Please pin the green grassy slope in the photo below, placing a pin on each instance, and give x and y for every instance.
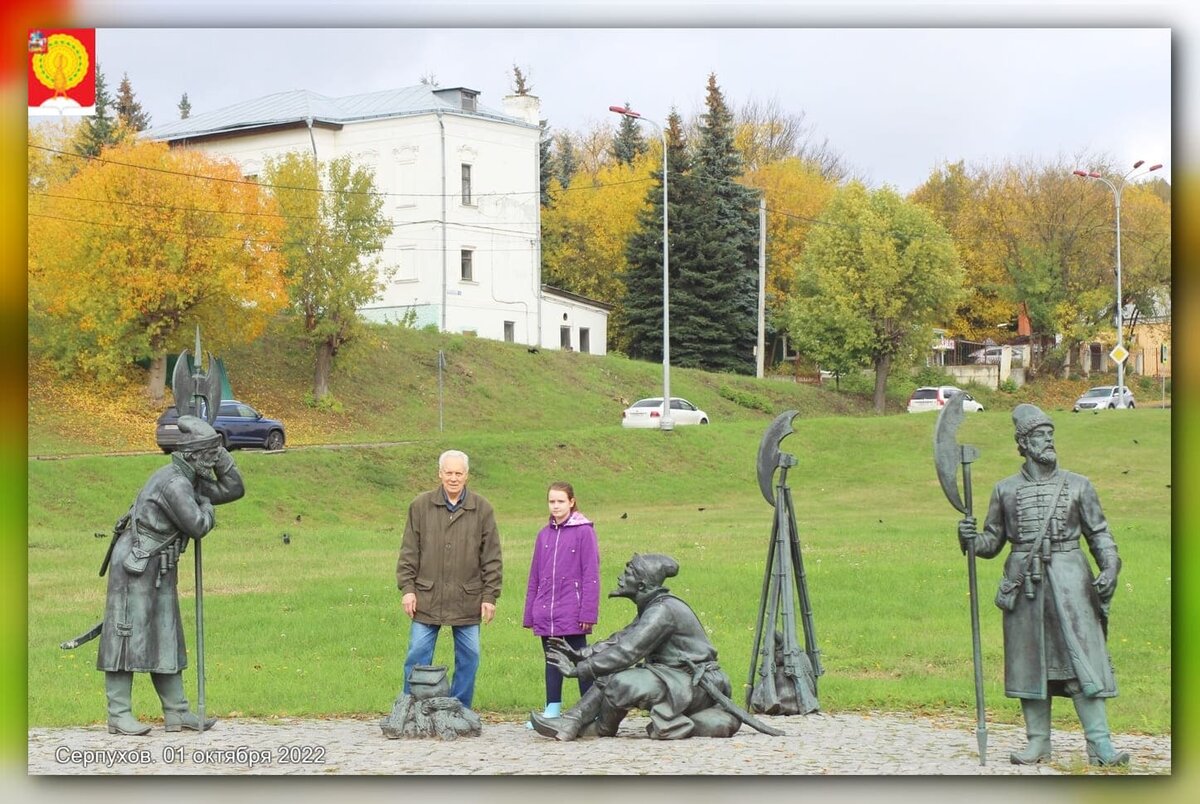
(314, 627)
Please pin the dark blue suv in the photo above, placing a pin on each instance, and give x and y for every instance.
(239, 425)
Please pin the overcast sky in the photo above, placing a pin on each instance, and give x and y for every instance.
(895, 103)
(882, 83)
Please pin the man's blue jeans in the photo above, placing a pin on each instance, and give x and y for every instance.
(422, 639)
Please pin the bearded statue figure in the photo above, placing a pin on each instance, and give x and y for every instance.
(1055, 611)
(142, 629)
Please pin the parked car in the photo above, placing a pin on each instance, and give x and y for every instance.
(648, 413)
(991, 354)
(1103, 396)
(935, 397)
(239, 425)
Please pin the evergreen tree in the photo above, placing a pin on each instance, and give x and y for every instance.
(714, 303)
(545, 163)
(521, 85)
(640, 331)
(185, 107)
(130, 113)
(629, 142)
(567, 163)
(99, 130)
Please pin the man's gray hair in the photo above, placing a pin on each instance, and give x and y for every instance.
(454, 453)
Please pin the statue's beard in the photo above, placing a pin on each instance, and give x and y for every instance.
(1045, 456)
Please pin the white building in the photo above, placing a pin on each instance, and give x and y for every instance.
(462, 188)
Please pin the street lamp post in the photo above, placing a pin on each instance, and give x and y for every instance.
(666, 423)
(1117, 185)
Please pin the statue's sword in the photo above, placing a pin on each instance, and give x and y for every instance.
(947, 455)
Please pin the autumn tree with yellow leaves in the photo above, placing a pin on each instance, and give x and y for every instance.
(1034, 237)
(137, 248)
(585, 230)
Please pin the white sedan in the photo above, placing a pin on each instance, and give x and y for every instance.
(647, 413)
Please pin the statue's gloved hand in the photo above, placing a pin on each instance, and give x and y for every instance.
(966, 532)
(224, 462)
(564, 648)
(1106, 581)
(558, 660)
(206, 508)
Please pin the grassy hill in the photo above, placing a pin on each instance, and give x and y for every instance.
(387, 390)
(287, 623)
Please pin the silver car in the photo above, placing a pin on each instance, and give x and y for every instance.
(1105, 396)
(934, 397)
(647, 413)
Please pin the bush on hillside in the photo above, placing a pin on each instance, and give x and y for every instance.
(746, 399)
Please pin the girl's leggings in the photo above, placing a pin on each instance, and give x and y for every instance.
(554, 679)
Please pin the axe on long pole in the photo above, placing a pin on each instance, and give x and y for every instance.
(947, 455)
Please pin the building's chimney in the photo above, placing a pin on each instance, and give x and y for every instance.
(523, 107)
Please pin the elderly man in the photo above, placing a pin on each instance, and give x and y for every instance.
(662, 662)
(449, 572)
(1055, 614)
(142, 630)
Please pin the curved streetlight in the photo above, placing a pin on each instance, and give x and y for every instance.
(666, 423)
(1117, 185)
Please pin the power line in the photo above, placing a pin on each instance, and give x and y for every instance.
(183, 174)
(251, 240)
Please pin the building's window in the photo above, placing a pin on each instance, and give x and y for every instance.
(510, 331)
(406, 264)
(466, 185)
(468, 101)
(585, 340)
(468, 265)
(564, 338)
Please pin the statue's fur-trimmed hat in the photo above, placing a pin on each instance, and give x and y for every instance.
(196, 434)
(654, 567)
(1026, 417)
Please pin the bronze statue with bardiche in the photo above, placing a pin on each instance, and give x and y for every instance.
(1055, 611)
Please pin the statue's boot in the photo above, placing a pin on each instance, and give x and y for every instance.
(1094, 718)
(119, 689)
(553, 709)
(1037, 732)
(565, 728)
(177, 716)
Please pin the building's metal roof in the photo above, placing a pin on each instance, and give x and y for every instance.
(297, 106)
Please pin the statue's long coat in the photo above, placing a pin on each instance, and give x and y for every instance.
(1059, 633)
(666, 639)
(142, 627)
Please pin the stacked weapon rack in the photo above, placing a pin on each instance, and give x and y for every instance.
(787, 675)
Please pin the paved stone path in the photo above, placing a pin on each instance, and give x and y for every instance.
(833, 744)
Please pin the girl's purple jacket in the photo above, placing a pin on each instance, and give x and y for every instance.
(564, 578)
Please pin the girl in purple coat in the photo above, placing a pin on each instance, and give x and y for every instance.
(563, 598)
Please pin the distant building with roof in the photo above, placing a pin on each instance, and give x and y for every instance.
(462, 185)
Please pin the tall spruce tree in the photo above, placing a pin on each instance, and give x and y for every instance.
(640, 332)
(185, 107)
(545, 163)
(629, 142)
(565, 162)
(714, 301)
(130, 113)
(98, 131)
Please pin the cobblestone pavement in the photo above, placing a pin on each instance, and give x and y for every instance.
(833, 744)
